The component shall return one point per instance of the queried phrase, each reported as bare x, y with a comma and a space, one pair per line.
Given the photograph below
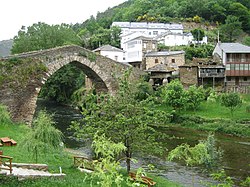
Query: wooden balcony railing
6, 163
212, 74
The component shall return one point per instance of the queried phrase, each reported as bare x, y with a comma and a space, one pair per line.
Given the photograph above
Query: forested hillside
232, 17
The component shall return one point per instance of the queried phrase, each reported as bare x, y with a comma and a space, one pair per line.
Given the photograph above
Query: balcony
212, 74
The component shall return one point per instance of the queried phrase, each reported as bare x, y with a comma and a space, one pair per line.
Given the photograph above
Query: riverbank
211, 116
53, 159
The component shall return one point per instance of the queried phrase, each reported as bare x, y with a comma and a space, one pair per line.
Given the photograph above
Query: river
236, 156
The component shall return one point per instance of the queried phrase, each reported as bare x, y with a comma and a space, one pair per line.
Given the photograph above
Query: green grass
215, 110
73, 178
211, 116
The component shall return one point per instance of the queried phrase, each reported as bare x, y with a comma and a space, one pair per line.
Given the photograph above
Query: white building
175, 39
148, 29
137, 47
111, 52
178, 39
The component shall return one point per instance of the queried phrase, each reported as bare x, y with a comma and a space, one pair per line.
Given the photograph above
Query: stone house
236, 58
172, 59
203, 72
160, 74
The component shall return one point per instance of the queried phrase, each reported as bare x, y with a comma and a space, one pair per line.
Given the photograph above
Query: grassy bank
54, 160
211, 116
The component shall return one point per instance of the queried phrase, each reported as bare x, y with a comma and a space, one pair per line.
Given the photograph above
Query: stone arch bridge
21, 100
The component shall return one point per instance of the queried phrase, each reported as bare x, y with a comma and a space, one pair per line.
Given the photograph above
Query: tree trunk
128, 154
128, 161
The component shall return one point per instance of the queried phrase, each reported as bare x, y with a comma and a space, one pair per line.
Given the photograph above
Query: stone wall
179, 60
189, 75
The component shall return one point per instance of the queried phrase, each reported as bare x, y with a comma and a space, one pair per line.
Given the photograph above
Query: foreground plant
123, 118
204, 153
43, 137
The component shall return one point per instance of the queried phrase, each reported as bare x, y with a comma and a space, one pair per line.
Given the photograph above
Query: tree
231, 29
107, 168
123, 119
246, 40
231, 101
43, 36
198, 34
242, 12
194, 97
43, 137
62, 84
173, 94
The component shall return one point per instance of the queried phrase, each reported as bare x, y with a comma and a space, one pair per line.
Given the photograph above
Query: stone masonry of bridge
102, 71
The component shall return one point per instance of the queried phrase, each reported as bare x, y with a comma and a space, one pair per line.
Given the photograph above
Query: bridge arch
102, 71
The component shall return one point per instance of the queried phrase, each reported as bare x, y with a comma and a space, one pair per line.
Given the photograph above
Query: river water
236, 157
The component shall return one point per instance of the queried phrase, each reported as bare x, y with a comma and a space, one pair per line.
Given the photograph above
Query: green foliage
246, 182
231, 29
145, 90
4, 115
200, 51
240, 11
204, 153
107, 168
194, 97
124, 119
62, 84
248, 108
246, 40
198, 34
54, 160
173, 94
225, 181
231, 101
43, 137
17, 73
43, 36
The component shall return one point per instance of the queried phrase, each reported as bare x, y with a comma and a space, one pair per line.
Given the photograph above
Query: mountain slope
5, 47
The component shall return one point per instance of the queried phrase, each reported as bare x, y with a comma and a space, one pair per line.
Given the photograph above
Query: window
241, 66
155, 32
124, 58
228, 78
116, 58
228, 67
173, 60
232, 66
246, 67
144, 45
153, 46
156, 61
237, 67
245, 78
149, 33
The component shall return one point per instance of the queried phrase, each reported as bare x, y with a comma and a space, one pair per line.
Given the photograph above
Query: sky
17, 13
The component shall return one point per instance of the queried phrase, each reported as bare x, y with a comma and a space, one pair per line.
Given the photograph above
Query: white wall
114, 55
177, 40
133, 51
